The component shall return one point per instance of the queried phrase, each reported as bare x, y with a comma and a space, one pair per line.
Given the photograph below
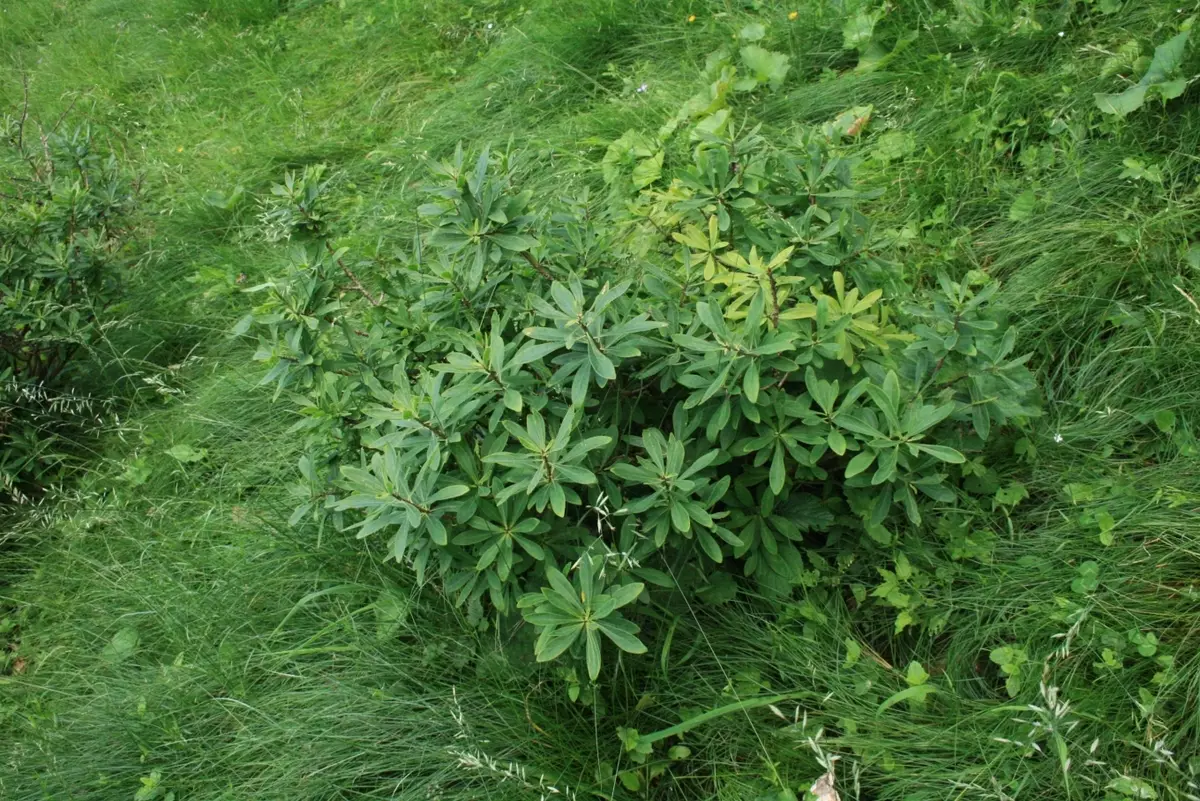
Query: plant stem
704, 717
537, 265
353, 278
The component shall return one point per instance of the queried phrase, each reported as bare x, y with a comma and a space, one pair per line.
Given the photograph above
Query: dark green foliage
64, 207
675, 384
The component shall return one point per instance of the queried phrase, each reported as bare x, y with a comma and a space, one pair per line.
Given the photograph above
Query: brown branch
46, 151
357, 284
24, 113
774, 299
422, 509
537, 265
63, 116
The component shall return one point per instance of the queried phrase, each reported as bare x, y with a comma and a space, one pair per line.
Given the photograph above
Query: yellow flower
179, 150
691, 17
792, 16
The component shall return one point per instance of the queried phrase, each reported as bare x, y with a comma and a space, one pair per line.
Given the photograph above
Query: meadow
171, 629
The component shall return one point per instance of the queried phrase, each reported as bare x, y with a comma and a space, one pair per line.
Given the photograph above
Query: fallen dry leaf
823, 788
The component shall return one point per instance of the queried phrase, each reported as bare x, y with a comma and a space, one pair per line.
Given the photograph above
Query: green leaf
1011, 495
557, 641
1168, 58
1165, 420
563, 587
917, 694
622, 637
942, 453
767, 66
121, 646
710, 546
648, 171
514, 242
1022, 207
187, 454
926, 417
860, 463
750, 383
720, 589
778, 472
626, 594
534, 351
391, 611
447, 493
916, 675
437, 531
680, 518
1158, 80
1132, 787
601, 365
1169, 90
678, 752
1122, 103
753, 32
858, 30
593, 654
887, 466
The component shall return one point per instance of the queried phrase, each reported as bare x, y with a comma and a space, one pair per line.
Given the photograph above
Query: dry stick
63, 116
46, 150
24, 113
774, 299
353, 278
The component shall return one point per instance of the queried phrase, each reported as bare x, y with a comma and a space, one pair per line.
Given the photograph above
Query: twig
529, 717
63, 116
1189, 298
24, 113
46, 150
357, 284
774, 299
537, 265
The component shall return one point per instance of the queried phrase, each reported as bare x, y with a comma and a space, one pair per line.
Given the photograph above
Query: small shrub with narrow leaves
711, 378
64, 208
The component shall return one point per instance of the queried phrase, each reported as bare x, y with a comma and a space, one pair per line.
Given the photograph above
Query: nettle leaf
1022, 207
766, 66
1160, 80
122, 645
648, 171
859, 30
187, 454
753, 32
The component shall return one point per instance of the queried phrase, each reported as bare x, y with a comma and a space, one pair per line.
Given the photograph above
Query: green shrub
713, 371
63, 223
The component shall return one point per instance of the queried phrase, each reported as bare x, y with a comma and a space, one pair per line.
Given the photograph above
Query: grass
272, 662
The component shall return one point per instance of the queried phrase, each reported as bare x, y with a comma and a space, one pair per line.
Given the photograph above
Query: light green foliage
152, 789
1010, 659
278, 660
